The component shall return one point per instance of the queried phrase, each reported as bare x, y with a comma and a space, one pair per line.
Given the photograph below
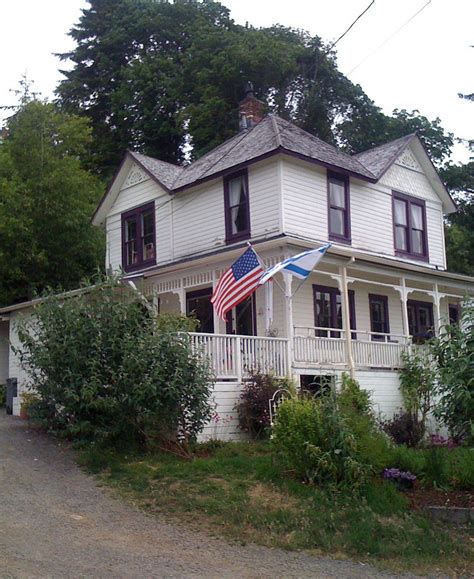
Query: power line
390, 37
353, 24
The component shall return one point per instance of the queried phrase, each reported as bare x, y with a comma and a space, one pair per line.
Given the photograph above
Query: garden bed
423, 497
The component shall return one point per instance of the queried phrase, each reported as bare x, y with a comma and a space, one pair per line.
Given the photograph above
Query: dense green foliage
453, 350
152, 75
105, 369
46, 202
3, 395
317, 438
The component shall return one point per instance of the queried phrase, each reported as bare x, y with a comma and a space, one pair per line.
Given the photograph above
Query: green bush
313, 440
3, 395
105, 369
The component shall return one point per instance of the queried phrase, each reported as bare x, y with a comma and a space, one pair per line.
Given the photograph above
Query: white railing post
238, 358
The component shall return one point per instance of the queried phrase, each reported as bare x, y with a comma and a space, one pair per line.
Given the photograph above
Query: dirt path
56, 522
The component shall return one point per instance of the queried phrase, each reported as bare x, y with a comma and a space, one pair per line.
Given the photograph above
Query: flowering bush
436, 440
404, 479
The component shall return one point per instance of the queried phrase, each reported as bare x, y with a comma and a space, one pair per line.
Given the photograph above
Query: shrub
312, 439
453, 351
105, 369
253, 409
405, 428
3, 395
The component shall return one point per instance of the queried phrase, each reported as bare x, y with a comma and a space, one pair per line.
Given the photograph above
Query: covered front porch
350, 315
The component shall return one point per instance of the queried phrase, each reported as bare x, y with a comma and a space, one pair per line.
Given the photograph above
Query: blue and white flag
300, 265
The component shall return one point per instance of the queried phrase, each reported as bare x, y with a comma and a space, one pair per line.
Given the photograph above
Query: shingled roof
379, 159
272, 135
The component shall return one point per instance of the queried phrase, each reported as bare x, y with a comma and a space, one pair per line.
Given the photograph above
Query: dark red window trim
346, 238
409, 202
137, 212
373, 298
334, 291
244, 234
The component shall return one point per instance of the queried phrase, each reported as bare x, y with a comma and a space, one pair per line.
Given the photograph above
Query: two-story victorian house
382, 286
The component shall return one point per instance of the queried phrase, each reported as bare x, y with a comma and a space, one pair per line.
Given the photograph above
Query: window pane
400, 237
237, 191
416, 217
336, 222
132, 254
400, 212
148, 235
417, 241
239, 218
130, 229
337, 195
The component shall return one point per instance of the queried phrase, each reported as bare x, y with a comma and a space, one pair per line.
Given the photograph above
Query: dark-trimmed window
379, 319
420, 320
236, 203
242, 320
409, 226
328, 311
338, 208
454, 314
138, 237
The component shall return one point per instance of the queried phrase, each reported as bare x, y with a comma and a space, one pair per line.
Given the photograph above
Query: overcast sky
422, 67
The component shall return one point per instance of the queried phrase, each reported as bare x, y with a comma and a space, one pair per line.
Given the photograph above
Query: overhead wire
390, 37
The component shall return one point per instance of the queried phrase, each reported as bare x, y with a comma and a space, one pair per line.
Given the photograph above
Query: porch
349, 315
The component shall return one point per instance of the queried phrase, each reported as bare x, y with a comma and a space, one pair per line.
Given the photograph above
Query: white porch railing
233, 357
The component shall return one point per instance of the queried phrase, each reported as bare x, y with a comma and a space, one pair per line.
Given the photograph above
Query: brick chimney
250, 109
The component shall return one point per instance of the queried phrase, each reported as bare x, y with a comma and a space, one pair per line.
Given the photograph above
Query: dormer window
409, 227
138, 237
236, 203
338, 208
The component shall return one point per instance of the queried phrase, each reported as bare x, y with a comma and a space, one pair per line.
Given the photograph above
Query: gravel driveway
56, 522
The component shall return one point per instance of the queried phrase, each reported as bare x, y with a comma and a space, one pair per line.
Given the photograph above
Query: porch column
268, 287
288, 279
436, 309
181, 293
403, 297
215, 317
346, 319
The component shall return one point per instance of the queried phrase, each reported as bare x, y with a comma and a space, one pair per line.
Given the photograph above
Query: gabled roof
274, 135
379, 159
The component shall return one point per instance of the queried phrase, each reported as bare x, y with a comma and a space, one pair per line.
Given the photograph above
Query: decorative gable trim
135, 175
408, 160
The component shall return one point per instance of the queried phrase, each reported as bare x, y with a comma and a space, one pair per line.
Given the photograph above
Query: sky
422, 64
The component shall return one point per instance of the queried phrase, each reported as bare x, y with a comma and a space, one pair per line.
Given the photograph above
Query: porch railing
233, 357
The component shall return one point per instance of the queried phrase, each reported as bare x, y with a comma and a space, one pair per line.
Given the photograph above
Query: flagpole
262, 263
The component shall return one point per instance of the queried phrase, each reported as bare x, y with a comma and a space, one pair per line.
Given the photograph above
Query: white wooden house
381, 289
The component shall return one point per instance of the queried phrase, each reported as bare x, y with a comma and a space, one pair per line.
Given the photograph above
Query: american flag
237, 283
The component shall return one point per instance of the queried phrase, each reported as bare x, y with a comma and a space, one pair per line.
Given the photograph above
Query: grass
239, 492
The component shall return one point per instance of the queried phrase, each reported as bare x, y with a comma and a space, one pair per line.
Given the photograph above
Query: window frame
384, 300
244, 234
198, 294
232, 318
334, 292
409, 201
346, 238
137, 213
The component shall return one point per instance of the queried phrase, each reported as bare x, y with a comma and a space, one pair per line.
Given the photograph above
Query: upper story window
236, 203
138, 237
409, 225
338, 208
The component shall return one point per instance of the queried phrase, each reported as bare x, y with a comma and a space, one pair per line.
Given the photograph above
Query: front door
242, 320
420, 320
198, 305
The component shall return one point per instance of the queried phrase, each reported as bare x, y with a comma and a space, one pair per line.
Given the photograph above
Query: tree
46, 202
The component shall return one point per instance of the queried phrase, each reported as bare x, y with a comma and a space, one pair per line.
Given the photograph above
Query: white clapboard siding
224, 425
384, 388
435, 225
4, 347
15, 368
304, 200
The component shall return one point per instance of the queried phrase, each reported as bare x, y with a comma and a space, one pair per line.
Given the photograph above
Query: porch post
403, 295
181, 293
346, 320
437, 309
214, 313
288, 279
268, 287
